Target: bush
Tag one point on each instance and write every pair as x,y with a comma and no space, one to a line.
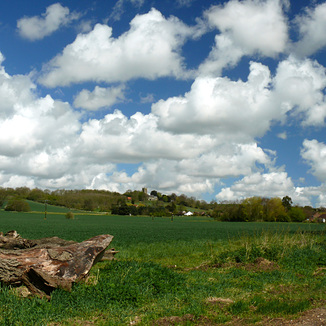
283,217
296,214
18,205
70,216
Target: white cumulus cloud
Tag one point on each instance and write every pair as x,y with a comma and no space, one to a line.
314,153
299,86
37,27
189,143
211,107
312,26
246,27
272,184
131,140
100,97
150,49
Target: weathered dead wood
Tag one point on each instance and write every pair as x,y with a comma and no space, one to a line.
43,266
12,240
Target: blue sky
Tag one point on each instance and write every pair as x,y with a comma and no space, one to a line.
221,100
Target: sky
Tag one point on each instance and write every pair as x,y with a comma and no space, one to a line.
219,100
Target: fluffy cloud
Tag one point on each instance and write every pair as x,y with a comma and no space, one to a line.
322,196
121,139
231,160
36,132
314,154
187,143
16,181
299,86
13,90
192,176
273,184
34,125
163,175
44,144
150,49
246,28
36,28
171,162
99,98
312,27
211,107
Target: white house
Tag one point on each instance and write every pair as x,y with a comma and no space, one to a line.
189,213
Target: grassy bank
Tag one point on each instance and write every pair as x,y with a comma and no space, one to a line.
190,271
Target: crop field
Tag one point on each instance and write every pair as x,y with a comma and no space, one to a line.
185,271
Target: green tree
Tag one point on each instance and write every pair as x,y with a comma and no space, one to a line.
36,195
172,208
88,204
18,205
232,212
3,196
22,192
296,214
287,202
274,210
173,197
165,198
253,209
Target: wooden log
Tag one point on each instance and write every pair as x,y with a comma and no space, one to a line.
42,269
13,241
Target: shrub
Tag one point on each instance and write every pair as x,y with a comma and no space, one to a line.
283,217
70,216
18,205
296,214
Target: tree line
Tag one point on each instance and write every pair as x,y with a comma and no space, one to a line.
138,203
262,209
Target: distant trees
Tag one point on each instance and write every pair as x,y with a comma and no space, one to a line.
89,204
134,202
36,195
140,210
18,205
287,202
274,210
261,209
296,214
253,209
3,196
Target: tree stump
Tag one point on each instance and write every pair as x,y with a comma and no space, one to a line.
46,264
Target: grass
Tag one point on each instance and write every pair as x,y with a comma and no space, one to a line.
189,271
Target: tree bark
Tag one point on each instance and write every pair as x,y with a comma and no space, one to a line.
46,264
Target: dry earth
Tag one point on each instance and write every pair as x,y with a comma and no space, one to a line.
314,317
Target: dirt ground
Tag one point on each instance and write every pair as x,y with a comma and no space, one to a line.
315,317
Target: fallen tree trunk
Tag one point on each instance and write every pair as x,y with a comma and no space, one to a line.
46,264
12,240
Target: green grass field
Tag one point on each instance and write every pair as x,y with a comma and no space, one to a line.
188,271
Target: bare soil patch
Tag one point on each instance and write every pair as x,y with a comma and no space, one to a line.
314,317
